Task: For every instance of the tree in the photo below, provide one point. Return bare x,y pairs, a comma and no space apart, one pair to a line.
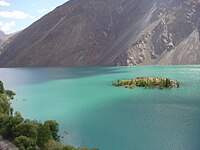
44,135
4,104
68,147
1,87
11,111
27,129
3,117
53,145
10,94
9,124
54,128
25,143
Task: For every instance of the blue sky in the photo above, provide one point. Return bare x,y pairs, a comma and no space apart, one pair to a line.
16,15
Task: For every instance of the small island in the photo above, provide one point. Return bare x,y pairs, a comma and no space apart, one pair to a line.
147,82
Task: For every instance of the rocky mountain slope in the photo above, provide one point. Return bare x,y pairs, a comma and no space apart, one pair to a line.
3,37
110,32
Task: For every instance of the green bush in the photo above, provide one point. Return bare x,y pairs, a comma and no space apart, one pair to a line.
54,128
44,135
53,145
9,126
27,129
1,87
10,94
4,104
24,142
147,82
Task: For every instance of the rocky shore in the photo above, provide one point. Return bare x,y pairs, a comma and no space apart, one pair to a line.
6,145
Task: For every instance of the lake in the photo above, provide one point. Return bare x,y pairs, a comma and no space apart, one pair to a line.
96,114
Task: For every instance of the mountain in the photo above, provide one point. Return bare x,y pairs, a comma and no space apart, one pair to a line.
110,32
3,37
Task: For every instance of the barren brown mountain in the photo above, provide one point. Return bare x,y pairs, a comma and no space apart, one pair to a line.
110,32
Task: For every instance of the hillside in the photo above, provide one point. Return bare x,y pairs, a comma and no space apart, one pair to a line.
3,37
107,32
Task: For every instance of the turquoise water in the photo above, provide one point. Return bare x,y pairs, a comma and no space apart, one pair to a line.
95,113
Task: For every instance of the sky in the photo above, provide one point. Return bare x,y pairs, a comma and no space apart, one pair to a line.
16,15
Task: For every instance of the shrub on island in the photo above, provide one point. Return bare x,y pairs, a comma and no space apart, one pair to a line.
147,82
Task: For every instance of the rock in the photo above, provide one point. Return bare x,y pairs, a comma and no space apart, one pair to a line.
6,145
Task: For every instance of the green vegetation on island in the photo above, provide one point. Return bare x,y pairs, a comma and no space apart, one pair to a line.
28,134
147,82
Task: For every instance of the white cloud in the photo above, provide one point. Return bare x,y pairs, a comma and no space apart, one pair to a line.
42,10
7,26
4,3
14,14
1,23
52,8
